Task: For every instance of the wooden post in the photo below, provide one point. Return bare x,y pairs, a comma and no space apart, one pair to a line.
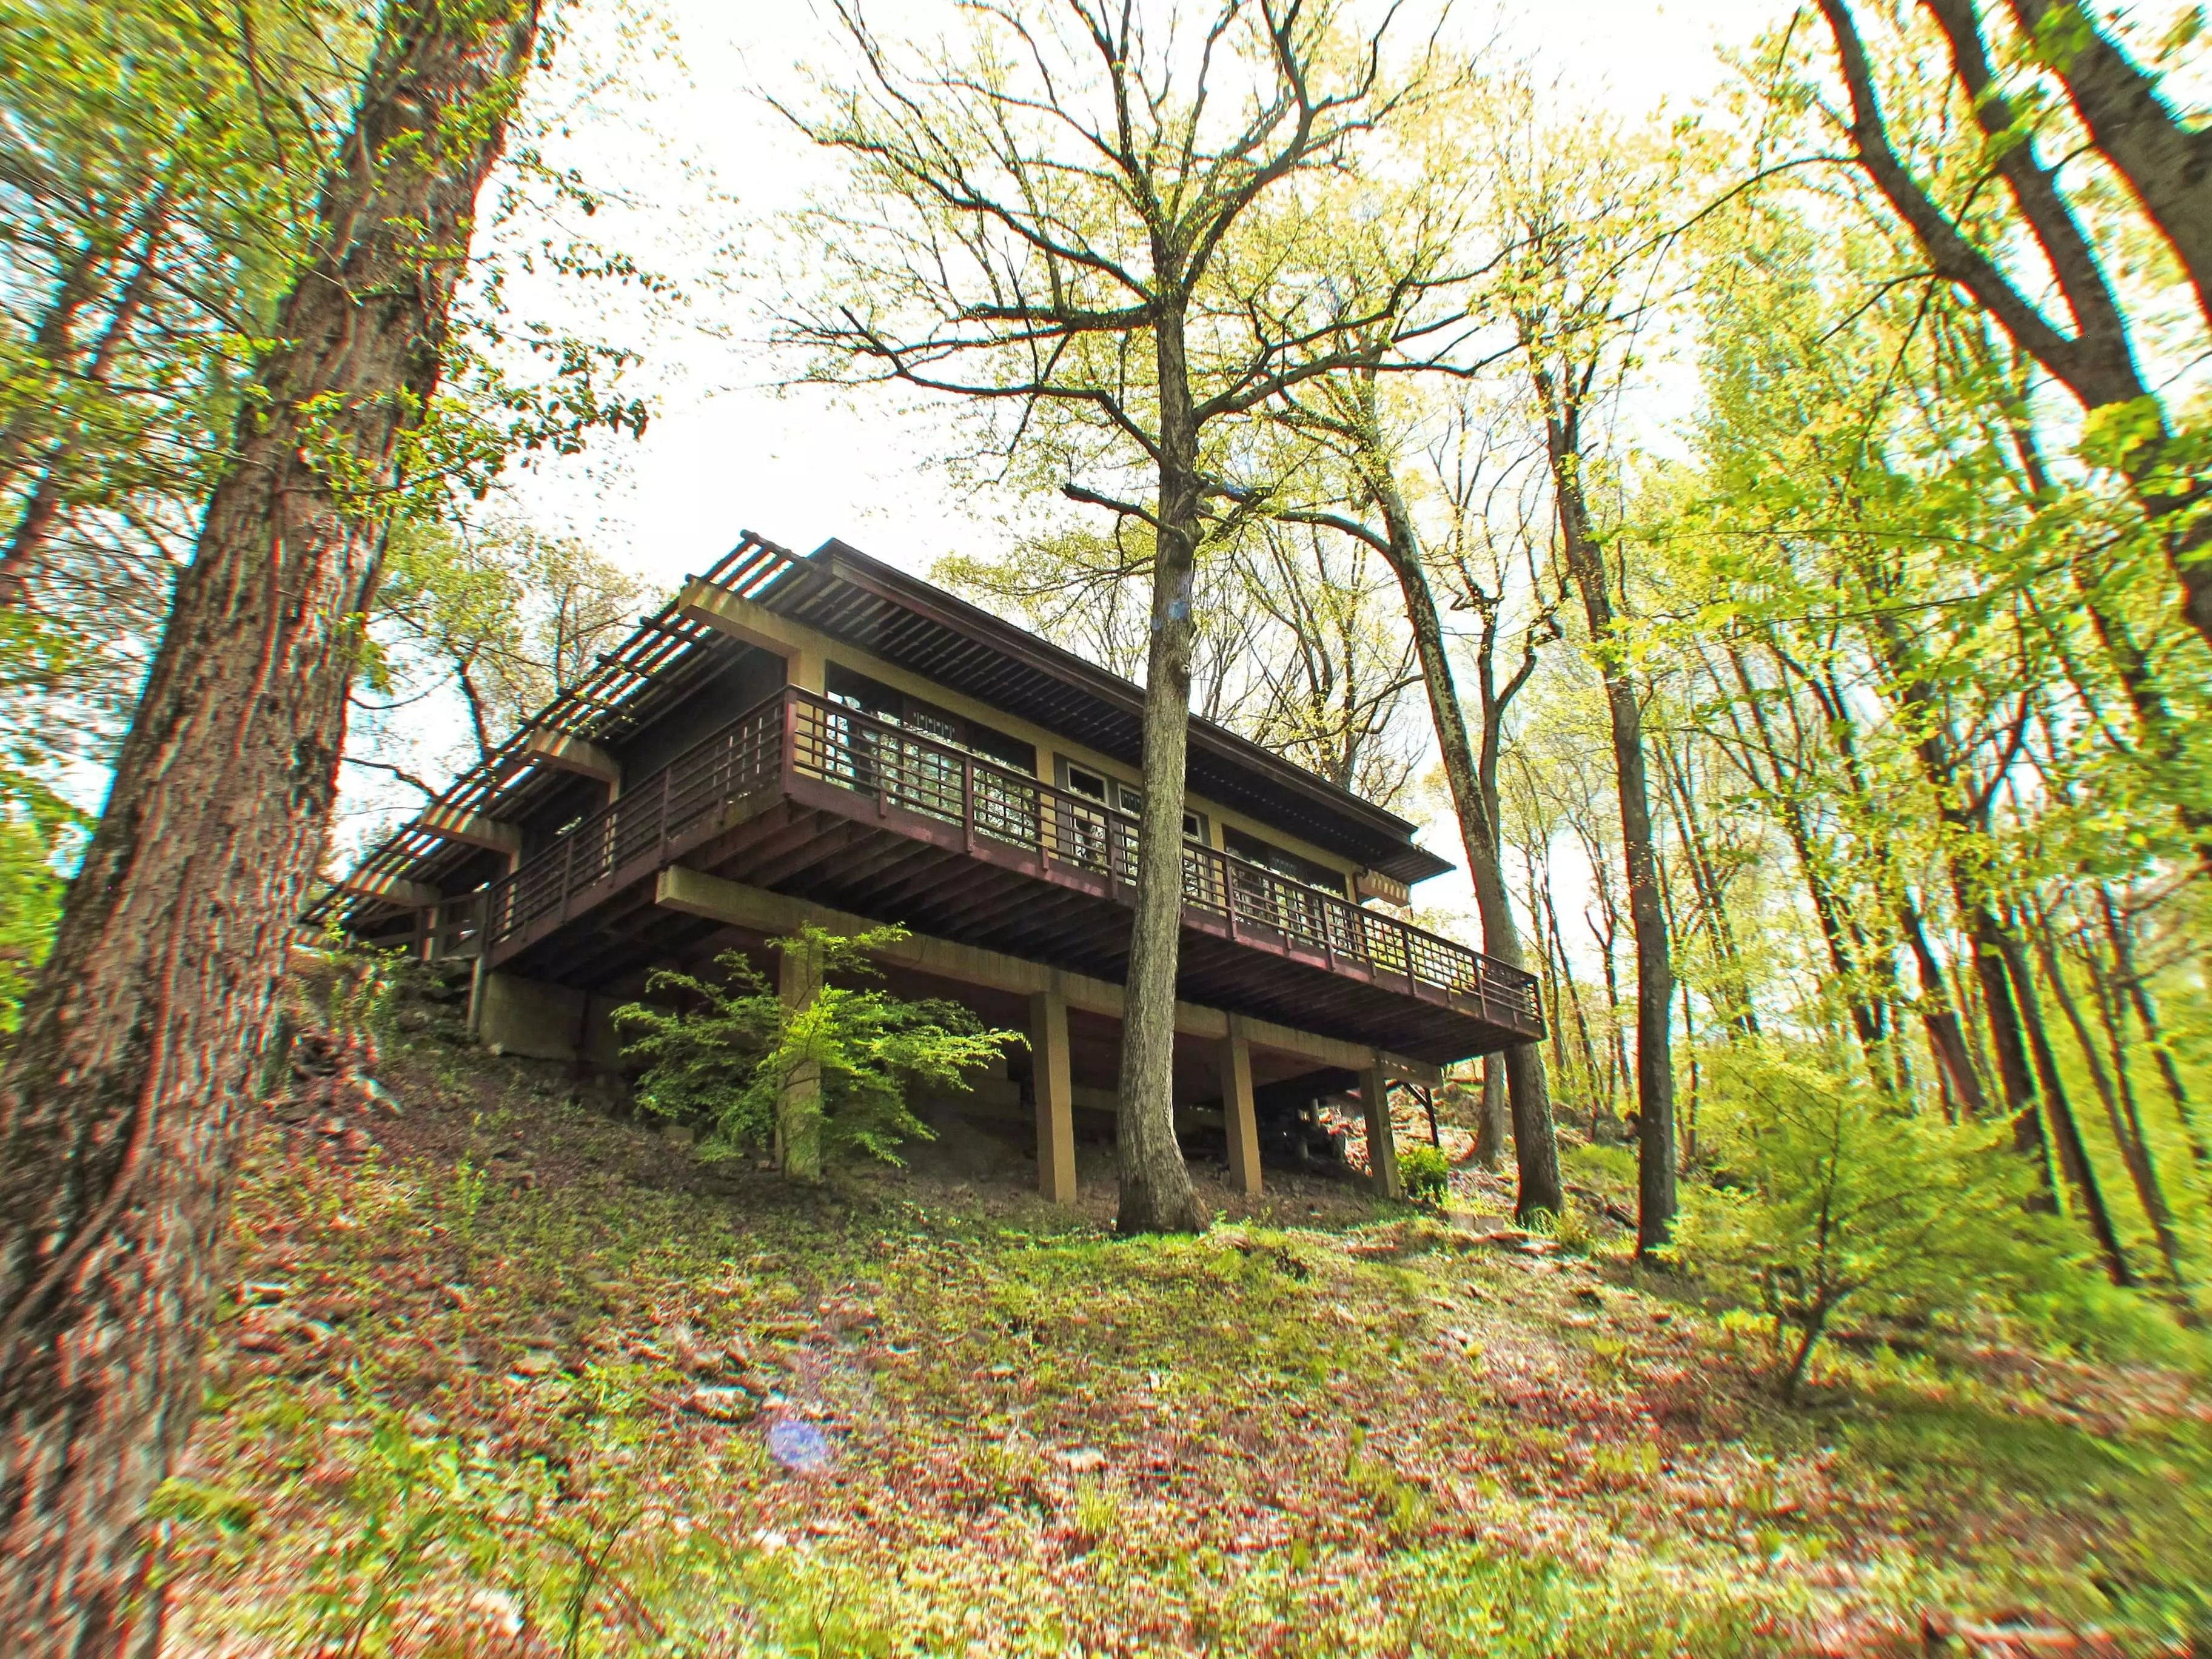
1239,1119
1055,1097
799,1109
1381,1146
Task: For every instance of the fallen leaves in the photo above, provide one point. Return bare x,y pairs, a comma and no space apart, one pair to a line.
1268,1440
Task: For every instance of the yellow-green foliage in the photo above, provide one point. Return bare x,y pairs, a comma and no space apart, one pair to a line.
38,834
1426,1173
1827,1195
722,1059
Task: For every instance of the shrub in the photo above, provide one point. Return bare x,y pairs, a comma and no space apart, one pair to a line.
826,1076
1829,1195
1426,1173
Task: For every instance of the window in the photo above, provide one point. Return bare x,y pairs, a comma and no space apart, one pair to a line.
1282,861
1126,797
871,697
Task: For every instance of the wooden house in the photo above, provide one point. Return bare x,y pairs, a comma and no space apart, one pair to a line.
828,739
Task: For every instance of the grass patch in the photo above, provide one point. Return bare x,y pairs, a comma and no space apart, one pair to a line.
529,1381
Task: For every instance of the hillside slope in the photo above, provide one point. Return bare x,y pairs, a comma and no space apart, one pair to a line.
506,1374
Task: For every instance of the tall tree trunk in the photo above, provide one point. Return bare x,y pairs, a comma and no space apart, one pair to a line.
1740,1014
1474,783
1491,1132
1555,1014
1827,906
1470,767
1939,1015
2121,932
122,1104
2066,1132
1156,1193
2007,1033
2120,1114
1591,1070
1618,1069
1473,778
1689,1154
1655,966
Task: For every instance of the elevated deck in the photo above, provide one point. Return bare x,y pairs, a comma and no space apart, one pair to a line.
804,797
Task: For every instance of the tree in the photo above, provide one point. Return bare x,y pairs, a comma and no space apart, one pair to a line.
501,616
1347,415
810,1078
1582,216
1834,1197
1083,231
122,1102
1333,665
2094,357
1092,593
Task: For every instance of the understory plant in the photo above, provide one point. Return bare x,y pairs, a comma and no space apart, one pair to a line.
824,1070
1426,1173
1828,1196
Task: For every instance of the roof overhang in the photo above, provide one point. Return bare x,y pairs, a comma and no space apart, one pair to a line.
948,641
845,594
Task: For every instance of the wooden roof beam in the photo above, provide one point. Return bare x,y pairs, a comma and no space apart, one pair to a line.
565,752
396,889
471,829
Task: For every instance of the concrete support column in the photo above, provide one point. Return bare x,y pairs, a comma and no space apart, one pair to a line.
1055,1097
799,1109
1240,1121
1381,1145
528,1016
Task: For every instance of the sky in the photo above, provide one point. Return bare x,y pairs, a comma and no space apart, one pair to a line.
728,452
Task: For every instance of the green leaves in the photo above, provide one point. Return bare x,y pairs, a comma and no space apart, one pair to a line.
2117,435
726,1058
1827,1195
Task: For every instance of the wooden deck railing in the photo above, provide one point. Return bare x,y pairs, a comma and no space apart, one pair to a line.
798,735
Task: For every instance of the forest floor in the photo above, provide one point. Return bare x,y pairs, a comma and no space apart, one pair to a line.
503,1374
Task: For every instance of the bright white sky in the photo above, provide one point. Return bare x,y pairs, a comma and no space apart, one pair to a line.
727,453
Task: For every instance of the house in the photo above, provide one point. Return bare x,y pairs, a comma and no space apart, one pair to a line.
828,739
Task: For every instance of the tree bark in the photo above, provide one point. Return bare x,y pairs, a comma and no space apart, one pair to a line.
1655,967
1592,1071
2168,167
2116,1094
1490,1133
1741,1014
122,1105
1155,1192
2066,1131
2121,932
1946,1039
1619,1068
2096,362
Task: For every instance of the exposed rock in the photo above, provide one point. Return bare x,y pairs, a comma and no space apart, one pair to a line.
721,1405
